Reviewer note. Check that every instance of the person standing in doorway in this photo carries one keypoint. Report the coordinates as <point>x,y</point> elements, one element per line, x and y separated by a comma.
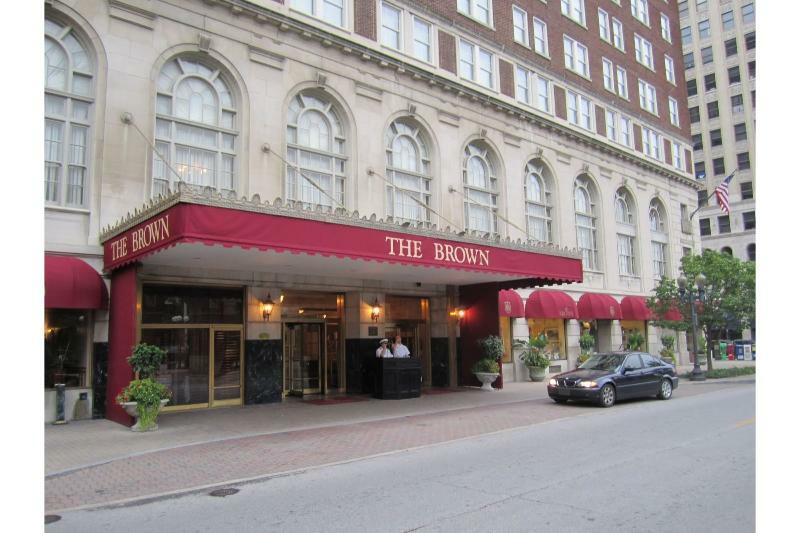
<point>383,350</point>
<point>399,349</point>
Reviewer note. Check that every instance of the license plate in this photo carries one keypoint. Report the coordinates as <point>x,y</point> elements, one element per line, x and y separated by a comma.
<point>563,391</point>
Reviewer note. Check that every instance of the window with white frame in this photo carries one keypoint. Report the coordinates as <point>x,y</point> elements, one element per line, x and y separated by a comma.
<point>476,64</point>
<point>640,11</point>
<point>617,34</point>
<point>576,56</point>
<point>579,110</point>
<point>532,89</point>
<point>575,10</point>
<point>68,99</point>
<point>622,82</point>
<point>673,112</point>
<point>520,17</point>
<point>538,205</point>
<point>543,94</point>
<point>315,151</point>
<point>624,214</point>
<point>666,33</point>
<point>604,23</point>
<point>644,51</point>
<point>391,22</point>
<point>408,168</point>
<point>586,222</point>
<point>196,127</point>
<point>523,85</point>
<point>677,155</point>
<point>611,125</point>
<point>480,10</point>
<point>395,24</point>
<point>422,37</point>
<point>540,38</point>
<point>625,131</point>
<point>647,97</point>
<point>659,239</point>
<point>608,75</point>
<point>480,188</point>
<point>330,11</point>
<point>651,143</point>
<point>669,69</point>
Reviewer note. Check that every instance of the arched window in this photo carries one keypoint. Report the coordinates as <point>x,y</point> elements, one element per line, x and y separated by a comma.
<point>625,216</point>
<point>538,204</point>
<point>480,188</point>
<point>726,250</point>
<point>408,168</point>
<point>659,240</point>
<point>586,223</point>
<point>68,98</point>
<point>315,142</point>
<point>751,251</point>
<point>196,127</point>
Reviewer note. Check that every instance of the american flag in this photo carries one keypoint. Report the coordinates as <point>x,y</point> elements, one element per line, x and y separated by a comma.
<point>721,193</point>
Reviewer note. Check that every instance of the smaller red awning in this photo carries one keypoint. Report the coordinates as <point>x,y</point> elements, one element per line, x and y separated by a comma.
<point>71,283</point>
<point>550,304</point>
<point>635,308</point>
<point>510,304</point>
<point>594,306</point>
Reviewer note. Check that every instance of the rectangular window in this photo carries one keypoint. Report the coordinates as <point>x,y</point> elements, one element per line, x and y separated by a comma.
<point>749,219</point>
<point>640,11</point>
<point>390,26</point>
<point>747,190</point>
<point>702,198</point>
<point>743,160</point>
<point>724,224</point>
<point>694,114</point>
<point>730,47</point>
<point>523,86</point>
<point>579,110</point>
<point>716,137</point>
<point>543,94</point>
<point>740,132</point>
<point>604,23</point>
<point>644,51</point>
<point>485,68</point>
<point>574,9</point>
<point>710,81</point>
<point>617,34</point>
<point>659,259</point>
<point>611,125</point>
<point>540,37</point>
<point>727,21</point>
<point>622,82</point>
<point>753,98</point>
<point>466,53</point>
<point>626,131</point>
<point>697,141</point>
<point>677,155</point>
<point>470,56</point>
<point>748,14</point>
<point>66,347</point>
<point>576,56</point>
<point>333,12</point>
<point>625,247</point>
<point>669,69</point>
<point>422,40</point>
<point>719,166</point>
<point>665,31</point>
<point>733,75</point>
<point>702,5</point>
<point>705,227</point>
<point>707,54</point>
<point>704,29</point>
<point>691,87</point>
<point>673,112</point>
<point>480,10</point>
<point>713,109</point>
<point>700,170</point>
<point>608,75</point>
<point>688,60</point>
<point>651,142</point>
<point>686,35</point>
<point>750,40</point>
<point>683,9</point>
<point>647,97</point>
<point>751,69</point>
<point>520,26</point>
<point>737,103</point>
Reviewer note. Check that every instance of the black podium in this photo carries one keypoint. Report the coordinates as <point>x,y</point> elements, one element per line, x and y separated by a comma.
<point>397,379</point>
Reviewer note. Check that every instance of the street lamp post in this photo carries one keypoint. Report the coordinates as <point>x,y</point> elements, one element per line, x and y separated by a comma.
<point>691,295</point>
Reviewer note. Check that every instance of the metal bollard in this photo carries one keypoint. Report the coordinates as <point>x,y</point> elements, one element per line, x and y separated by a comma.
<point>60,400</point>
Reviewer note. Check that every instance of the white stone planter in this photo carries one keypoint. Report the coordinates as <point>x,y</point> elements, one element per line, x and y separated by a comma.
<point>130,408</point>
<point>487,378</point>
<point>537,373</point>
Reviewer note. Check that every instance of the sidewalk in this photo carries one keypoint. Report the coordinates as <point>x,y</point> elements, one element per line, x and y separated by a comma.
<point>716,364</point>
<point>192,451</point>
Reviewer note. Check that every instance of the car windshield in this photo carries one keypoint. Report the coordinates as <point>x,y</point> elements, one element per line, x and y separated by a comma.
<point>603,361</point>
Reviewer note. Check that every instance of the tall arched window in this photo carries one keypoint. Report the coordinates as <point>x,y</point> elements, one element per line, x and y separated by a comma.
<point>68,98</point>
<point>586,223</point>
<point>480,188</point>
<point>408,168</point>
<point>625,216</point>
<point>196,127</point>
<point>659,239</point>
<point>538,204</point>
<point>315,141</point>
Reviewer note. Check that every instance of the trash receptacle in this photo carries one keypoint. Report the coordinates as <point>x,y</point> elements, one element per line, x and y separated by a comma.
<point>739,352</point>
<point>731,352</point>
<point>723,349</point>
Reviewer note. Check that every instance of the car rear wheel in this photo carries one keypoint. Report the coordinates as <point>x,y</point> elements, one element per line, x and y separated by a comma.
<point>665,390</point>
<point>608,395</point>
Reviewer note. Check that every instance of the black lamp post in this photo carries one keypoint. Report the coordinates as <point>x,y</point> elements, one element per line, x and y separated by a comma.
<point>691,296</point>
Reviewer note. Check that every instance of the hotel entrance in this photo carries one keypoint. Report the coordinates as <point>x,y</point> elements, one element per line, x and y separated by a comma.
<point>303,345</point>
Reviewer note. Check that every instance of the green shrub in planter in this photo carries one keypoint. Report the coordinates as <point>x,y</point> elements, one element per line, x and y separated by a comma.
<point>667,353</point>
<point>145,360</point>
<point>486,365</point>
<point>532,354</point>
<point>492,347</point>
<point>635,341</point>
<point>147,393</point>
<point>586,342</point>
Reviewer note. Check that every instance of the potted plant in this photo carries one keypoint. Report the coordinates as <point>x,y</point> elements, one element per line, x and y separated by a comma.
<point>533,356</point>
<point>488,368</point>
<point>635,341</point>
<point>144,397</point>
<point>586,342</point>
<point>667,353</point>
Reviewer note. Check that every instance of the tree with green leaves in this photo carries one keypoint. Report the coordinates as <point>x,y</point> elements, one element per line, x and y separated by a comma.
<point>730,295</point>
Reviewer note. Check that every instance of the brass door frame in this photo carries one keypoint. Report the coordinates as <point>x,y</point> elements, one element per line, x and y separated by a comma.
<point>323,379</point>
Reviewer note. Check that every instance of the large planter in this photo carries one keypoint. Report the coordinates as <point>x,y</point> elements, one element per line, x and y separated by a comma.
<point>130,408</point>
<point>537,373</point>
<point>487,378</point>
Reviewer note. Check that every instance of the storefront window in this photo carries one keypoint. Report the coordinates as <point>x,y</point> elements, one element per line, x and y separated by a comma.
<point>628,327</point>
<point>505,334</point>
<point>553,329</point>
<point>169,304</point>
<point>66,347</point>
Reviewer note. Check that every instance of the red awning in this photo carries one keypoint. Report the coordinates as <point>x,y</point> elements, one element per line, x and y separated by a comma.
<point>550,304</point>
<point>594,306</point>
<point>635,308</point>
<point>673,314</point>
<point>510,304</point>
<point>70,283</point>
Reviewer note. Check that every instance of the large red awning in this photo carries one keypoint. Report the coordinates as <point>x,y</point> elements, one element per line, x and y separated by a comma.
<point>70,283</point>
<point>550,304</point>
<point>510,304</point>
<point>181,232</point>
<point>594,306</point>
<point>635,308</point>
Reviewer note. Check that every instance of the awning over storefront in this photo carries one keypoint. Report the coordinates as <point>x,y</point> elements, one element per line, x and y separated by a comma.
<point>194,229</point>
<point>635,308</point>
<point>550,304</point>
<point>673,314</point>
<point>70,283</point>
<point>510,304</point>
<point>594,306</point>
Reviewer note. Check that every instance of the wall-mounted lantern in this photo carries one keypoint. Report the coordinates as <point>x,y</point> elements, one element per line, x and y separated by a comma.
<point>376,311</point>
<point>458,313</point>
<point>266,307</point>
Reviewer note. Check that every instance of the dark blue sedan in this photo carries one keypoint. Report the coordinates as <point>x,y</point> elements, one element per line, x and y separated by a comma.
<point>607,377</point>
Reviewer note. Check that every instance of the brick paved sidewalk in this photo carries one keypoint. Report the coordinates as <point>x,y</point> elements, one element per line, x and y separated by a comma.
<point>239,459</point>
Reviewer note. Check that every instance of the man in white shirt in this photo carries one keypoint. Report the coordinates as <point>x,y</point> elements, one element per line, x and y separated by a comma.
<point>383,350</point>
<point>399,349</point>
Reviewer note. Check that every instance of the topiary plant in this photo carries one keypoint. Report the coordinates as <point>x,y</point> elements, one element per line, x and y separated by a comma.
<point>145,360</point>
<point>492,347</point>
<point>667,353</point>
<point>586,342</point>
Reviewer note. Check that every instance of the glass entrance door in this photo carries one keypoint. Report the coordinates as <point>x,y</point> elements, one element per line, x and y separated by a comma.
<point>304,349</point>
<point>227,377</point>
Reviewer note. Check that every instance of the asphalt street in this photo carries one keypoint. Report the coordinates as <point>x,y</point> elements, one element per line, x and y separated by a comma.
<point>687,464</point>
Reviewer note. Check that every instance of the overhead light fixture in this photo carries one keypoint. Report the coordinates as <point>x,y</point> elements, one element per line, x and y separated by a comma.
<point>376,311</point>
<point>266,307</point>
